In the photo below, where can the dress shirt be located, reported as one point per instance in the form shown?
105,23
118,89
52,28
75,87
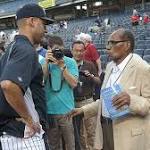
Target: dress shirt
114,78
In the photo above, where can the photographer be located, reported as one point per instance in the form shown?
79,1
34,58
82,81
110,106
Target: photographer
83,93
61,75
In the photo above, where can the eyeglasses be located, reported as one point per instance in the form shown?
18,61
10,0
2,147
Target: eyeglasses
113,43
78,51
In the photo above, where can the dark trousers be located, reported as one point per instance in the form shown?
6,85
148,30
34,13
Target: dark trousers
76,124
45,137
0,146
108,141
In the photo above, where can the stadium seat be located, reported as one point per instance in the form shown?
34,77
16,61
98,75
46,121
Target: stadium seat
139,52
147,58
147,52
104,58
102,52
12,6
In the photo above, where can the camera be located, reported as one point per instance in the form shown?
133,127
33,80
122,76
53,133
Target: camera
81,73
58,53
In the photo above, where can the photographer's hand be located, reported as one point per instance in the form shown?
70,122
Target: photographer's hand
95,79
66,74
61,63
49,57
87,73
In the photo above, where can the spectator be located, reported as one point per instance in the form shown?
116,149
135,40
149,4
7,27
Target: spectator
140,20
83,93
133,73
98,21
3,36
107,23
65,25
135,12
135,18
22,105
61,75
146,19
76,33
91,54
61,24
94,29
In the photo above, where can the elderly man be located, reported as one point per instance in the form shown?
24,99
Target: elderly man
130,132
91,53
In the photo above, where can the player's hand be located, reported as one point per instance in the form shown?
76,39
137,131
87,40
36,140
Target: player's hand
33,127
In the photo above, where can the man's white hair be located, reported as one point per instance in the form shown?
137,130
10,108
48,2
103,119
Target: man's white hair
135,12
84,37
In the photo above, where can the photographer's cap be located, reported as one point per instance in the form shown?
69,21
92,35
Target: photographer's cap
33,10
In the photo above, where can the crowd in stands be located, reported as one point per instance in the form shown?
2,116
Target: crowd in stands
137,18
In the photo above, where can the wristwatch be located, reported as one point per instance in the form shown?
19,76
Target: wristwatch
63,68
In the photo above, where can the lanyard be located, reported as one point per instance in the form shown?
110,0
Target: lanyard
119,74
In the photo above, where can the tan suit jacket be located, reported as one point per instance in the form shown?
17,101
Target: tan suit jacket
131,132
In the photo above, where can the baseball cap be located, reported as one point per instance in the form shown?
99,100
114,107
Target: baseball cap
33,10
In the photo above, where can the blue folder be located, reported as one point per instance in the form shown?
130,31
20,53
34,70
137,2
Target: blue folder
107,95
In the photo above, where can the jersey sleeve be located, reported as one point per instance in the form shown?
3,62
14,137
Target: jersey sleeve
20,68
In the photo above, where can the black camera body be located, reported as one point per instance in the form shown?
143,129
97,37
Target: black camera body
82,73
58,53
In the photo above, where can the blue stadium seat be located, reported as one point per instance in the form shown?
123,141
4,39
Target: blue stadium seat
102,52
104,57
12,6
147,58
147,52
139,52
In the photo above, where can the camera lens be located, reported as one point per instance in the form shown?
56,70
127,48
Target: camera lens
58,53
